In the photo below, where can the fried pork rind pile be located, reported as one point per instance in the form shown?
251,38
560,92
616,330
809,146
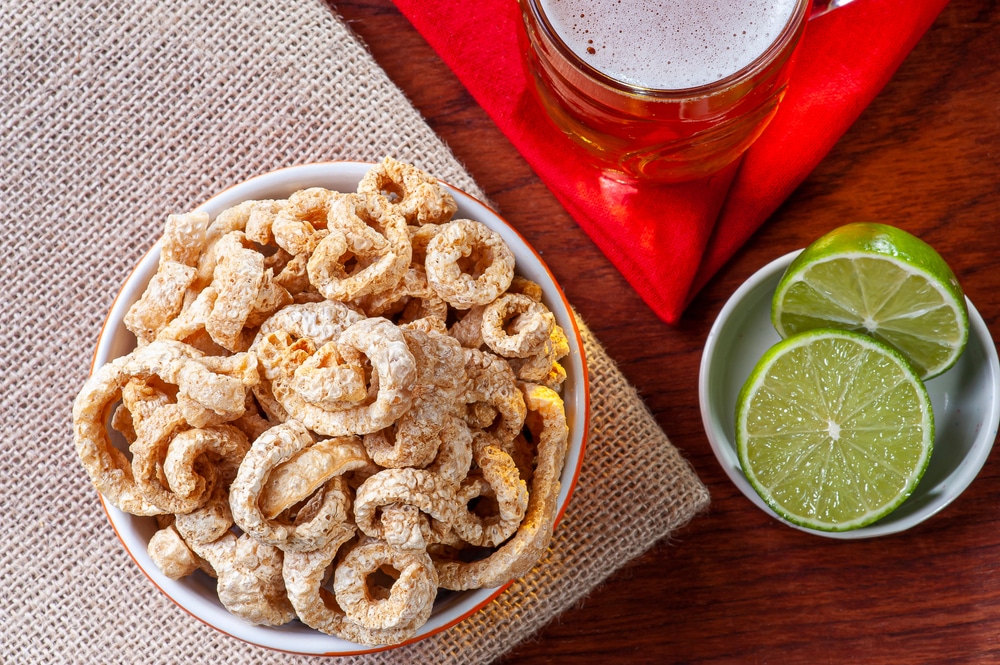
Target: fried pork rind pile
340,403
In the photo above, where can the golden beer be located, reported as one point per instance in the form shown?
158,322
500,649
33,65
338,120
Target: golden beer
666,91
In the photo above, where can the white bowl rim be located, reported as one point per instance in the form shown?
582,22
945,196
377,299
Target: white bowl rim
576,364
724,449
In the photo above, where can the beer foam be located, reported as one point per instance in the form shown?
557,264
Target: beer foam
670,44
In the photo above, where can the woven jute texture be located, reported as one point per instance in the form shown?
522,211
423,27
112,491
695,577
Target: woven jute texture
113,114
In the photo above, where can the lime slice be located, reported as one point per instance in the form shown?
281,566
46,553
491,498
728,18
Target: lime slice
833,429
881,281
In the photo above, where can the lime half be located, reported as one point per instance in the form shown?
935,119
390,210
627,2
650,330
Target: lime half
833,429
882,281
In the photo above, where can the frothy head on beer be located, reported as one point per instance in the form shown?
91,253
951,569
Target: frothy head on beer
670,44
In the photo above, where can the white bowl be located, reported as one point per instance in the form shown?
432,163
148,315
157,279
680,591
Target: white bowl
966,402
196,593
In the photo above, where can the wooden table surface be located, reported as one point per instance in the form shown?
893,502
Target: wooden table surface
736,586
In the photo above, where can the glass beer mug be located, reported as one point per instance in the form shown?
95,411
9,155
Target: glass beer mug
664,91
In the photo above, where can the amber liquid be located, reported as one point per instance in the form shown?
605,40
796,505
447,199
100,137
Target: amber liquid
661,135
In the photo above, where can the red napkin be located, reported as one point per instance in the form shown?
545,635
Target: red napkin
668,240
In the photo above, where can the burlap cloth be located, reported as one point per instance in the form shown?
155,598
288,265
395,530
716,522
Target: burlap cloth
114,114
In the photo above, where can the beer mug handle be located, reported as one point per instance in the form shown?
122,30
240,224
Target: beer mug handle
821,7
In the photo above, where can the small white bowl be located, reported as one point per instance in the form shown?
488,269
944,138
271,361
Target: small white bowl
196,593
966,401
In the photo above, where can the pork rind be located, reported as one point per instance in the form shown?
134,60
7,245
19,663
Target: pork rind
161,302
414,439
177,468
432,501
250,582
415,195
518,554
515,326
339,403
408,601
317,607
171,554
393,374
366,251
301,223
469,264
246,293
312,479
498,478
204,394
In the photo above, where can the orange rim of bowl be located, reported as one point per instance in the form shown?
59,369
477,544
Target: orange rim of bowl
584,380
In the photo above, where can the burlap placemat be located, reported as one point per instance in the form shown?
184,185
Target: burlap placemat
111,116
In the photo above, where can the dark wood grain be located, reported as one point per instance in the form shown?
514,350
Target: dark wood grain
736,586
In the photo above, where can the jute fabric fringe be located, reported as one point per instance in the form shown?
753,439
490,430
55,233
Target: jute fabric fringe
113,115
